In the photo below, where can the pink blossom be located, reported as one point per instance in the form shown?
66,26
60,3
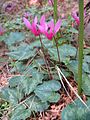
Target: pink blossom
1,31
49,29
76,18
50,2
27,14
32,27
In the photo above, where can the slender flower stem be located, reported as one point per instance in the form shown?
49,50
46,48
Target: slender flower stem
57,49
80,50
45,59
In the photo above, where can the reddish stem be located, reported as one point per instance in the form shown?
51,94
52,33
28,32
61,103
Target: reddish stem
46,61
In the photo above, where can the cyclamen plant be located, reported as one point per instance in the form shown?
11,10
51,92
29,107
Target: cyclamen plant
46,28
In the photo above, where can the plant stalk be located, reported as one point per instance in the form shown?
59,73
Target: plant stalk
80,49
57,49
45,59
55,11
55,19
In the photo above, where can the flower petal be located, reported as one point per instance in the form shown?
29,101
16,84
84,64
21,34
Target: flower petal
35,20
42,20
51,26
27,23
41,28
57,26
51,23
76,18
49,35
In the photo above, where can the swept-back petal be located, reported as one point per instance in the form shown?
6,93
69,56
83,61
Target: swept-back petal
42,20
49,35
41,28
35,20
51,24
57,26
27,23
76,18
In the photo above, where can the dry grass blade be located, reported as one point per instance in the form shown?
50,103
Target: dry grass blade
61,74
65,88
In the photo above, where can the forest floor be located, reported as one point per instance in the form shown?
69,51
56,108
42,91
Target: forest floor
54,111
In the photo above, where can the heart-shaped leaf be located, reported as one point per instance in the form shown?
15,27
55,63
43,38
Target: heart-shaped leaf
47,91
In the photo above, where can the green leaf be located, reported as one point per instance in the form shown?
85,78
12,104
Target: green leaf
87,58
86,67
14,37
66,51
72,30
10,95
86,84
73,67
46,42
47,91
64,23
17,67
76,112
31,83
36,104
21,86
22,52
86,51
20,113
2,38
33,104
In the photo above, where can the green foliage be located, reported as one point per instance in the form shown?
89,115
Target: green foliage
14,24
27,94
3,37
76,112
72,30
66,51
47,91
14,37
85,84
31,90
32,104
21,52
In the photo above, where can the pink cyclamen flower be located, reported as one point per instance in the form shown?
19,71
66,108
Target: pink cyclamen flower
1,31
50,2
76,18
32,27
27,14
49,29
